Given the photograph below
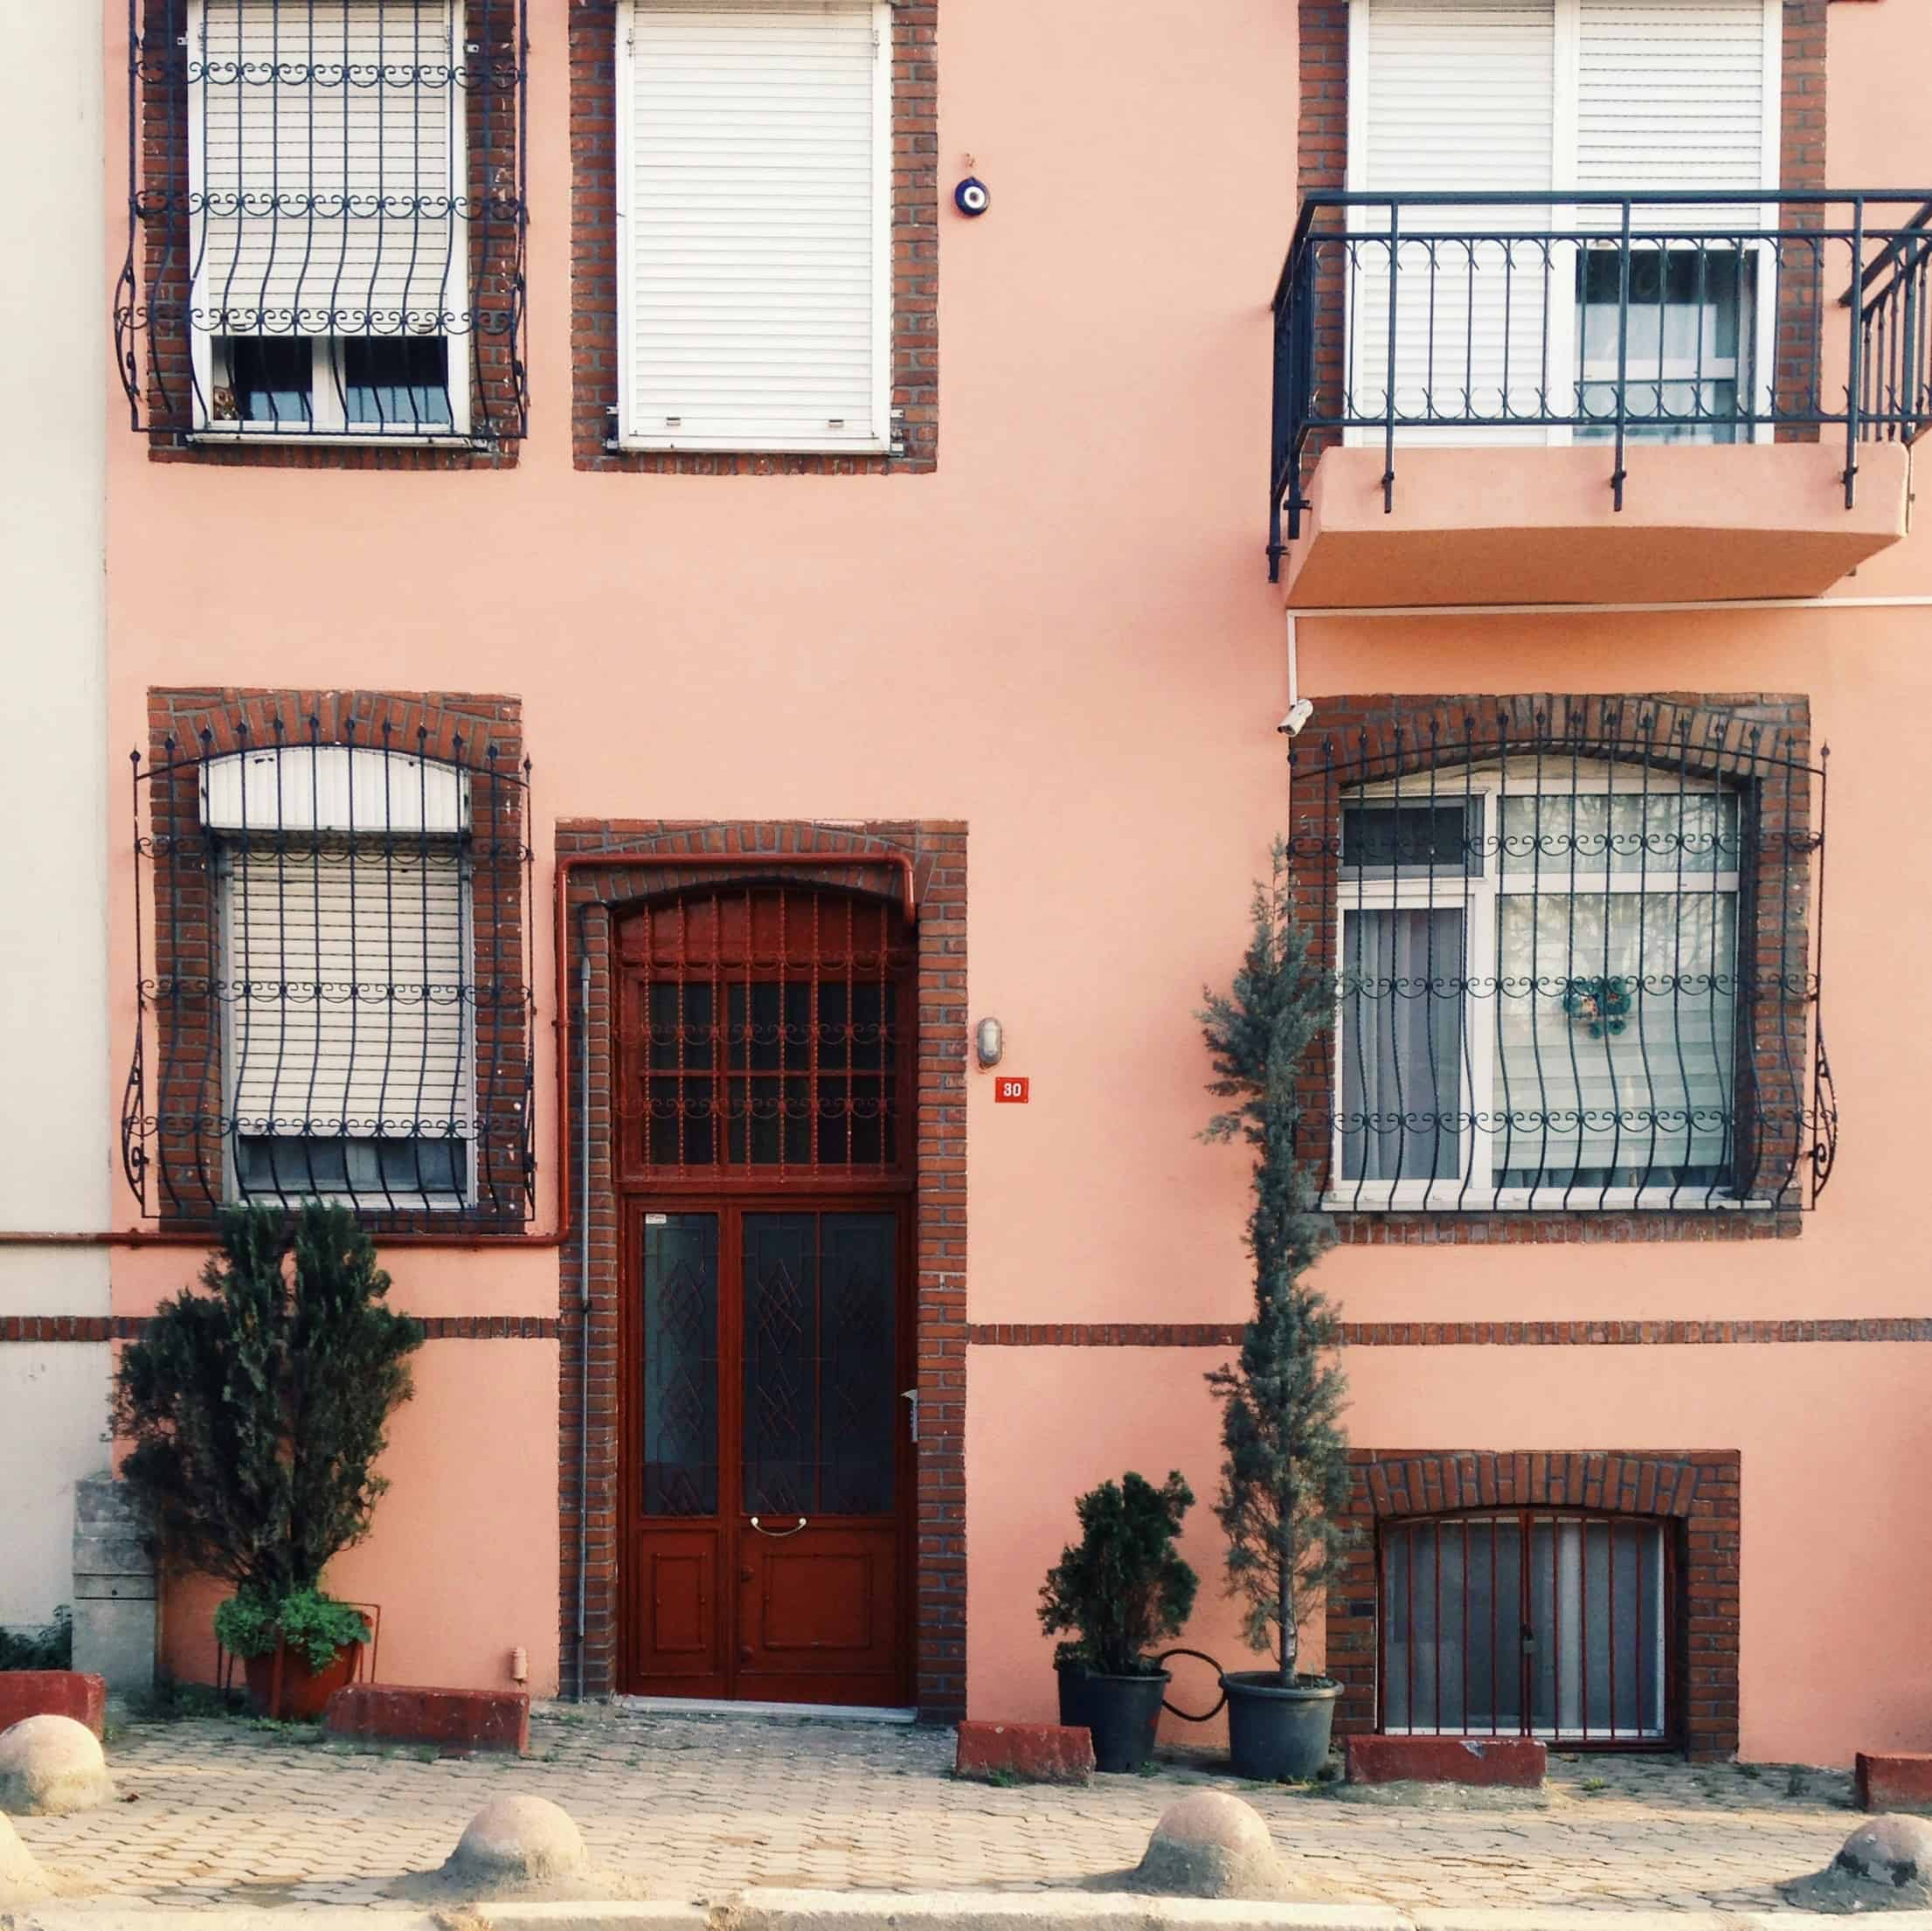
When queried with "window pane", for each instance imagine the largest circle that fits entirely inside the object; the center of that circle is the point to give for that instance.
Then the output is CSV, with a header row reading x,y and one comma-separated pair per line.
x,y
1615,1039
1424,838
270,378
1596,1612
396,382
1452,1613
1402,980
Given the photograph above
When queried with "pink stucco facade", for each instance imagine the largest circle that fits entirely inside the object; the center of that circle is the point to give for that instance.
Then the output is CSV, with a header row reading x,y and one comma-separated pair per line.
x,y
1064,637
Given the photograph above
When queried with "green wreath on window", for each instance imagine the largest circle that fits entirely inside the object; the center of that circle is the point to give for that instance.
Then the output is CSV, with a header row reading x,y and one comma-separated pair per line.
x,y
1601,1005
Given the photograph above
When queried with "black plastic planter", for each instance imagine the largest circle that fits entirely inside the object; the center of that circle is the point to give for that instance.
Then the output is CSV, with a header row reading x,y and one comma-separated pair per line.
x,y
1274,1733
1121,1712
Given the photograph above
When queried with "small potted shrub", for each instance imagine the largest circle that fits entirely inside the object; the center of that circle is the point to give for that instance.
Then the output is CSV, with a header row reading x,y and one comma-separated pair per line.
x,y
1121,1589
1284,1478
256,1410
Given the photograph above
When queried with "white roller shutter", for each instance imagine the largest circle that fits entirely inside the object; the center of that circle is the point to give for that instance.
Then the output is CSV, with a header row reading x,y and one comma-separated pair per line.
x,y
325,145
349,985
1453,95
1671,94
755,224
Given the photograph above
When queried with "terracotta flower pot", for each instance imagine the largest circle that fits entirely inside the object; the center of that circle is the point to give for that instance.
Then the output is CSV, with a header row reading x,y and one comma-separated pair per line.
x,y
304,1692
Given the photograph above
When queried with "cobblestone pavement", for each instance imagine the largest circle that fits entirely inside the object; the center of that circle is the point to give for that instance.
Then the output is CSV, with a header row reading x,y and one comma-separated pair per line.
x,y
225,1812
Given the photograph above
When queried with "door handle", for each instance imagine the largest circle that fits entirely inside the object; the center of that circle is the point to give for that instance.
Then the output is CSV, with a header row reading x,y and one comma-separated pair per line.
x,y
912,1395
777,1535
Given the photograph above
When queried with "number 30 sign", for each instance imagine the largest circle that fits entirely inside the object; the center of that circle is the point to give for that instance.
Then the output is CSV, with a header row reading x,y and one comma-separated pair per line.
x,y
1011,1092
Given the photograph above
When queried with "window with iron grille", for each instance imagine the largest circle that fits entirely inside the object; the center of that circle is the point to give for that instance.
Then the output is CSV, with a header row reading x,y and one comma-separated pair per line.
x,y
339,1007
326,221
1575,959
1528,1623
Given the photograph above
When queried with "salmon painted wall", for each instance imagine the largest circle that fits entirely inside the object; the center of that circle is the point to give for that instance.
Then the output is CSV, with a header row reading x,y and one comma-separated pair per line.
x,y
1066,637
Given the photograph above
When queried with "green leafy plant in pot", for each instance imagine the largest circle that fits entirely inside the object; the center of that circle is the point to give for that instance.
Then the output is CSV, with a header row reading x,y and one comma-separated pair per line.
x,y
1285,1474
1121,1589
256,1410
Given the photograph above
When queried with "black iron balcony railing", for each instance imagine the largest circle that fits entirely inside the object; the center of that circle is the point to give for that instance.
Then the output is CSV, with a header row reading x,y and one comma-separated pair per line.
x,y
1692,315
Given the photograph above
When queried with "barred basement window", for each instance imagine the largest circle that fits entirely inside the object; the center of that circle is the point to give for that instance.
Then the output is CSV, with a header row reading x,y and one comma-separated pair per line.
x,y
340,1007
327,220
1573,964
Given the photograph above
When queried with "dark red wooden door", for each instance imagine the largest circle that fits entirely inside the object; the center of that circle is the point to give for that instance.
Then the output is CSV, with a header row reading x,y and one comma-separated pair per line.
x,y
769,1347
768,1550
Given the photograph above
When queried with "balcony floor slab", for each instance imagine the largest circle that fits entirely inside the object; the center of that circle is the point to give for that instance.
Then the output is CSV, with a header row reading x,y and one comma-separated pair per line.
x,y
1531,524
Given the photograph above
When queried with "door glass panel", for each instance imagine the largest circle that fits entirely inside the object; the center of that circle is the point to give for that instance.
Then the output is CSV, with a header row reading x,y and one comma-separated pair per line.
x,y
681,1366
821,1396
861,1397
781,1367
1596,1604
1451,1595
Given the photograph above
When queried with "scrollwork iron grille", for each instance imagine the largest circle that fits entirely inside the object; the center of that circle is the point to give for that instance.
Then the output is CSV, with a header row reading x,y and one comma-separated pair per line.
x,y
339,1000
326,221
1574,955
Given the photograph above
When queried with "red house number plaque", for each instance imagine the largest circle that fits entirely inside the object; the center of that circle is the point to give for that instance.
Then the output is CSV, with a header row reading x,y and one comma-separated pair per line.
x,y
1012,1092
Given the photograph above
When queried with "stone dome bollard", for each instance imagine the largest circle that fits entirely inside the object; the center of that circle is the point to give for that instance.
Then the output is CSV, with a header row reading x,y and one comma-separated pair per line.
x,y
21,1879
51,1765
1213,1846
516,1840
1895,1850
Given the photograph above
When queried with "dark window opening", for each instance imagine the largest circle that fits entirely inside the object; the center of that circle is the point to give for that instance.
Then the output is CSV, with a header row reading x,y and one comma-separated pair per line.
x,y
1559,1625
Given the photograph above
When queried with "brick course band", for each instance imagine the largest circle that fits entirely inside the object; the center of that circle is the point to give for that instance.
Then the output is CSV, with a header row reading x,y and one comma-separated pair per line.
x,y
30,1328
1694,1492
1891,1327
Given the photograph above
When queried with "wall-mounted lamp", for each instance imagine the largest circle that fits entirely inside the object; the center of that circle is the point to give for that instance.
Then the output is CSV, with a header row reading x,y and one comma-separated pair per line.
x,y
990,1041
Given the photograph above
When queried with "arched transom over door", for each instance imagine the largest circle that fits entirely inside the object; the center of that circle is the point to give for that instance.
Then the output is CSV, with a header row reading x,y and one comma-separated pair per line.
x,y
765,1142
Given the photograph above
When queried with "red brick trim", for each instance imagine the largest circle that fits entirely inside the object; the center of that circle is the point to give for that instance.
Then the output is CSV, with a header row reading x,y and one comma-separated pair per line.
x,y
131,1327
186,1071
594,267
1893,1328
1322,163
1739,737
492,361
1697,1490
938,848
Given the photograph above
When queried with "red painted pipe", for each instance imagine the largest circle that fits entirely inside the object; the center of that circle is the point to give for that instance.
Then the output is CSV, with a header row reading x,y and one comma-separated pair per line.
x,y
752,861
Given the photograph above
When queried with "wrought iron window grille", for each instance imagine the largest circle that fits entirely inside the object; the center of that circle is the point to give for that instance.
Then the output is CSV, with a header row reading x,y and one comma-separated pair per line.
x,y
1699,315
339,1002
1575,953
326,222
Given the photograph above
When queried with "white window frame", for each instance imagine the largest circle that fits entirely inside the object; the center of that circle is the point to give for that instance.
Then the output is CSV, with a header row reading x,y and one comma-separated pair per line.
x,y
329,420
1566,318
879,442
1476,889
315,790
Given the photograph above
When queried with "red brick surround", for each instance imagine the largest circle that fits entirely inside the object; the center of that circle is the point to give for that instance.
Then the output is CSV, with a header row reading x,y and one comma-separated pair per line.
x,y
1744,739
485,732
594,265
1697,1492
938,849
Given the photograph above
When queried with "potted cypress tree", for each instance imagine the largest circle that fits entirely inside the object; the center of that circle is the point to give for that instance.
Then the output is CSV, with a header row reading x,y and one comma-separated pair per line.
x,y
1284,1478
256,1410
1120,1589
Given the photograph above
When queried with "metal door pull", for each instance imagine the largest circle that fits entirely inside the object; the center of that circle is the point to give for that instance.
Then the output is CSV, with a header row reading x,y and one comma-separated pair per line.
x,y
777,1535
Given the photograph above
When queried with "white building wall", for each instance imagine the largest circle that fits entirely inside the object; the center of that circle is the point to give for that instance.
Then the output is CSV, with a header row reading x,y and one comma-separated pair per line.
x,y
56,1131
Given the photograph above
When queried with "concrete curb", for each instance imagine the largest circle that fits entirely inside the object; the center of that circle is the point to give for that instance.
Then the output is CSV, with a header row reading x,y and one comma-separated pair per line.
x,y
775,1910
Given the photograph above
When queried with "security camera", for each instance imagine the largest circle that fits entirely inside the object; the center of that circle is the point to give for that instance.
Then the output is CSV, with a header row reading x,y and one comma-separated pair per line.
x,y
973,197
1298,714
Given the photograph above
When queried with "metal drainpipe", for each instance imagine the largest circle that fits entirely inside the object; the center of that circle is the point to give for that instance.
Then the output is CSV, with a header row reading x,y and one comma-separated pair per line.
x,y
583,1286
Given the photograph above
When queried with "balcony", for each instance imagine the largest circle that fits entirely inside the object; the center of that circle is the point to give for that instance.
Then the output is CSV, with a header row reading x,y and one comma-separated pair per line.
x,y
1547,398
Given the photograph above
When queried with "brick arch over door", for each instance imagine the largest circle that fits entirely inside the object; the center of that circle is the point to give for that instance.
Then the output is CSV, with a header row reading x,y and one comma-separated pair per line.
x,y
738,852
1697,1488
